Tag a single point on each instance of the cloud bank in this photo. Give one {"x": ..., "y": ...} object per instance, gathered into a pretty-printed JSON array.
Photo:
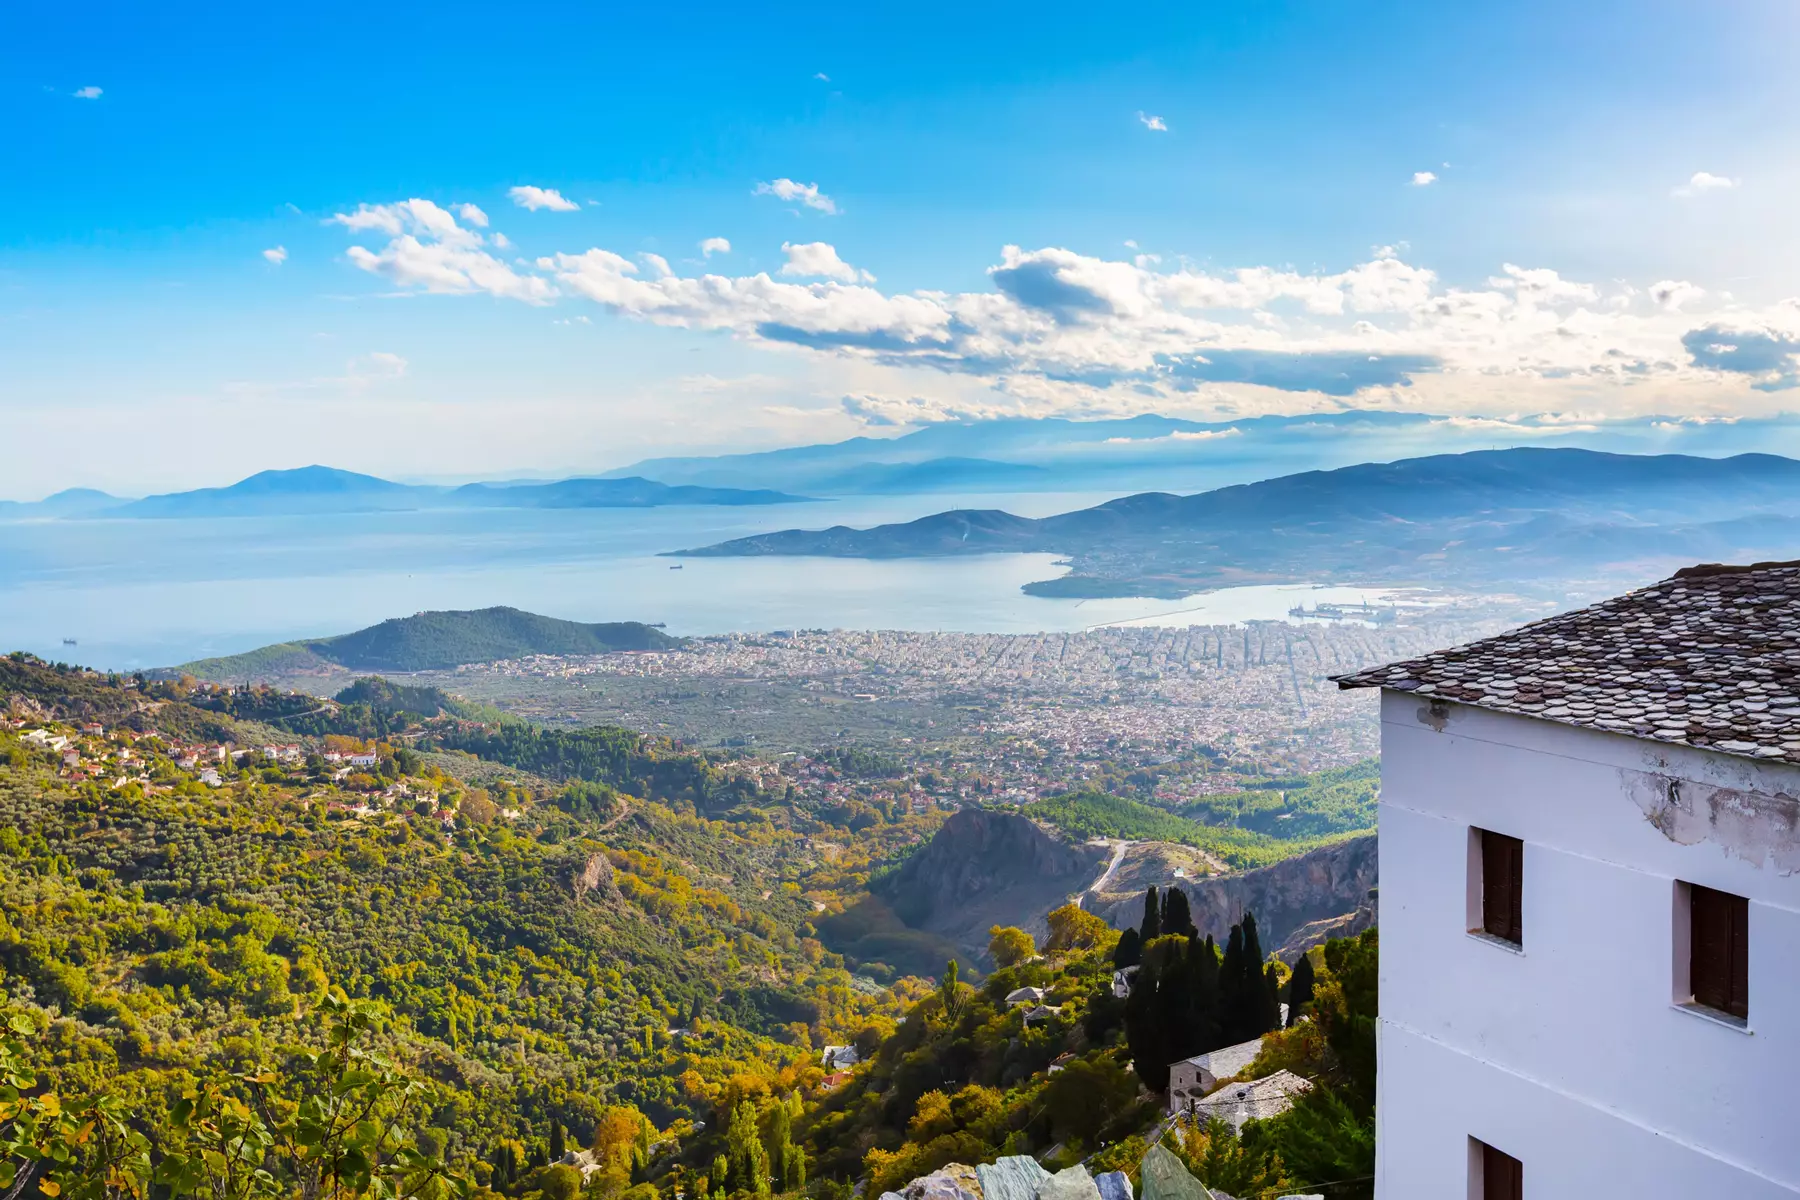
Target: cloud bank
[{"x": 1059, "y": 323}]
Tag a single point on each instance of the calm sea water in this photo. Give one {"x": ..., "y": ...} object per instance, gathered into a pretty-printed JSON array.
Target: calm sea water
[{"x": 151, "y": 593}]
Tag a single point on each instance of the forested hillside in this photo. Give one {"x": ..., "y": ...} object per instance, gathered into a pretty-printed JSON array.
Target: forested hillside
[
  {"x": 547, "y": 954},
  {"x": 571, "y": 962}
]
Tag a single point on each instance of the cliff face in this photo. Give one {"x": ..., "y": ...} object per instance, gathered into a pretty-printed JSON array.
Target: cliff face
[
  {"x": 1327, "y": 889},
  {"x": 988, "y": 868}
]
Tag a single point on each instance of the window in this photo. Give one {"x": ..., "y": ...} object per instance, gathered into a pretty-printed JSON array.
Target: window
[
  {"x": 1494, "y": 1174},
  {"x": 1718, "y": 951},
  {"x": 1497, "y": 891}
]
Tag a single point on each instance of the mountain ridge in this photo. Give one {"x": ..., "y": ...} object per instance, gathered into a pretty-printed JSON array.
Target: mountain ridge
[
  {"x": 427, "y": 641},
  {"x": 1467, "y": 516}
]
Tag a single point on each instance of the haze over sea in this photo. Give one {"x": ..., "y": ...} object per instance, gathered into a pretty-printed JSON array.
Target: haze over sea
[{"x": 144, "y": 593}]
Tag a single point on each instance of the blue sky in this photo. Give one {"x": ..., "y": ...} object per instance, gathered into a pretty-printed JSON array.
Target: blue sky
[{"x": 1634, "y": 164}]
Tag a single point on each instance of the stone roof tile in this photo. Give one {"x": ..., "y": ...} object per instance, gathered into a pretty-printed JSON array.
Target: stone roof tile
[{"x": 1708, "y": 658}]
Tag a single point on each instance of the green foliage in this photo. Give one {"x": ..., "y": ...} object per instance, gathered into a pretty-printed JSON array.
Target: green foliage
[
  {"x": 1217, "y": 1158},
  {"x": 1009, "y": 946},
  {"x": 1090, "y": 814},
  {"x": 1184, "y": 1001},
  {"x": 1321, "y": 805}
]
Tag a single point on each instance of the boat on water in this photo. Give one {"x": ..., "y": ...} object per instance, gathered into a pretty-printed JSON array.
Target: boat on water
[
  {"x": 70, "y": 642},
  {"x": 677, "y": 566}
]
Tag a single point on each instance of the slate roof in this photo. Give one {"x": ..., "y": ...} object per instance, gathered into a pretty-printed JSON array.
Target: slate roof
[
  {"x": 1708, "y": 658},
  {"x": 1238, "y": 1103}
]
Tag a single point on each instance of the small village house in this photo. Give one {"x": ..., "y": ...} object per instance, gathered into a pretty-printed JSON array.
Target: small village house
[
  {"x": 1192, "y": 1078},
  {"x": 1590, "y": 901}
]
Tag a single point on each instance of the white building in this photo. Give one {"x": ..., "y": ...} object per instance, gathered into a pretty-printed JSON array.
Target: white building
[{"x": 1589, "y": 907}]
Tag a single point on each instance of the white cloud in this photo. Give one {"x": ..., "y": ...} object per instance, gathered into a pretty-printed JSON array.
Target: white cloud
[
  {"x": 1671, "y": 294},
  {"x": 1705, "y": 181},
  {"x": 1423, "y": 179},
  {"x": 535, "y": 198},
  {"x": 472, "y": 215},
  {"x": 378, "y": 364},
  {"x": 1151, "y": 122},
  {"x": 276, "y": 254},
  {"x": 820, "y": 259},
  {"x": 500, "y": 240},
  {"x": 87, "y": 93},
  {"x": 430, "y": 251},
  {"x": 714, "y": 245},
  {"x": 1057, "y": 327},
  {"x": 806, "y": 193},
  {"x": 821, "y": 76}
]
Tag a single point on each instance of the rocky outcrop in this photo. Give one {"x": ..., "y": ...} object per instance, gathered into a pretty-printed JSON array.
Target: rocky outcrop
[
  {"x": 986, "y": 868},
  {"x": 593, "y": 874},
  {"x": 1328, "y": 885}
]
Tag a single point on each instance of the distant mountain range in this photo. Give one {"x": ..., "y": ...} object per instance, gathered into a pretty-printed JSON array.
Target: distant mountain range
[
  {"x": 432, "y": 641},
  {"x": 1170, "y": 454},
  {"x": 314, "y": 490},
  {"x": 1492, "y": 517}
]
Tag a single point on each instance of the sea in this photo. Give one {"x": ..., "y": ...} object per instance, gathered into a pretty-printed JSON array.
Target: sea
[{"x": 130, "y": 594}]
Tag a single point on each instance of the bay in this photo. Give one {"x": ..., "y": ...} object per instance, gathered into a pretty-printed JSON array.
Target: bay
[{"x": 143, "y": 593}]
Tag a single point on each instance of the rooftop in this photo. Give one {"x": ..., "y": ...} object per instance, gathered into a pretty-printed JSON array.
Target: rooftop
[
  {"x": 1258, "y": 1100},
  {"x": 1709, "y": 658}
]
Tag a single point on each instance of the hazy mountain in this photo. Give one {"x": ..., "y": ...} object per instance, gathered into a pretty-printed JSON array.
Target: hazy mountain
[
  {"x": 434, "y": 641},
  {"x": 66, "y": 503},
  {"x": 316, "y": 489},
  {"x": 1152, "y": 452},
  {"x": 1516, "y": 515}
]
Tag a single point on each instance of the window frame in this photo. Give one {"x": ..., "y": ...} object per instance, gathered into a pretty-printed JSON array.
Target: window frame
[
  {"x": 1484, "y": 1161},
  {"x": 1698, "y": 996},
  {"x": 1479, "y": 921}
]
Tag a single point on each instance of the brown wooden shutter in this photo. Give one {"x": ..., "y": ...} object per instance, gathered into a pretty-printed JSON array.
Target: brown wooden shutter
[
  {"x": 1502, "y": 1175},
  {"x": 1503, "y": 887},
  {"x": 1719, "y": 950}
]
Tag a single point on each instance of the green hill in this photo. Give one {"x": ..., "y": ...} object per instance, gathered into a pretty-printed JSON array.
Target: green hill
[{"x": 435, "y": 641}]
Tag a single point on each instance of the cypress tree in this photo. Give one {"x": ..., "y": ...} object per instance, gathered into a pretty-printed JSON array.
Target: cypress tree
[
  {"x": 1232, "y": 1020},
  {"x": 1129, "y": 951},
  {"x": 1141, "y": 1033},
  {"x": 1203, "y": 1003},
  {"x": 1300, "y": 988},
  {"x": 1177, "y": 918},
  {"x": 1172, "y": 1011},
  {"x": 556, "y": 1141},
  {"x": 1151, "y": 927},
  {"x": 1261, "y": 1010},
  {"x": 1272, "y": 989}
]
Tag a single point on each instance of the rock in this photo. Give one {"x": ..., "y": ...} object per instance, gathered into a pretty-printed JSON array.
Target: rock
[
  {"x": 1071, "y": 1183},
  {"x": 1015, "y": 1177},
  {"x": 1164, "y": 1178},
  {"x": 953, "y": 1181},
  {"x": 595, "y": 874},
  {"x": 985, "y": 868},
  {"x": 1114, "y": 1185},
  {"x": 1322, "y": 885}
]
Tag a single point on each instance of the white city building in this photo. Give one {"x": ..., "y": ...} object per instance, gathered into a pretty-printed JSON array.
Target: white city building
[{"x": 1590, "y": 906}]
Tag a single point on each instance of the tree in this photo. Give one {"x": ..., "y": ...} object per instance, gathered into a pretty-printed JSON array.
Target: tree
[
  {"x": 1072, "y": 927},
  {"x": 558, "y": 1147},
  {"x": 744, "y": 1148},
  {"x": 1087, "y": 1094},
  {"x": 1262, "y": 1009},
  {"x": 1151, "y": 926},
  {"x": 1177, "y": 918},
  {"x": 948, "y": 993},
  {"x": 1203, "y": 1003},
  {"x": 1220, "y": 1160},
  {"x": 1300, "y": 987},
  {"x": 339, "y": 1127},
  {"x": 1232, "y": 1017},
  {"x": 1128, "y": 951},
  {"x": 80, "y": 1149},
  {"x": 1009, "y": 945},
  {"x": 560, "y": 1182}
]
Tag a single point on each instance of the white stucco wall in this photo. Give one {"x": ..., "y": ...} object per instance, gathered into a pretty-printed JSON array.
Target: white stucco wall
[{"x": 1570, "y": 1054}]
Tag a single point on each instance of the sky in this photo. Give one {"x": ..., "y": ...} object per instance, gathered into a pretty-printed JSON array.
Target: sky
[{"x": 458, "y": 241}]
